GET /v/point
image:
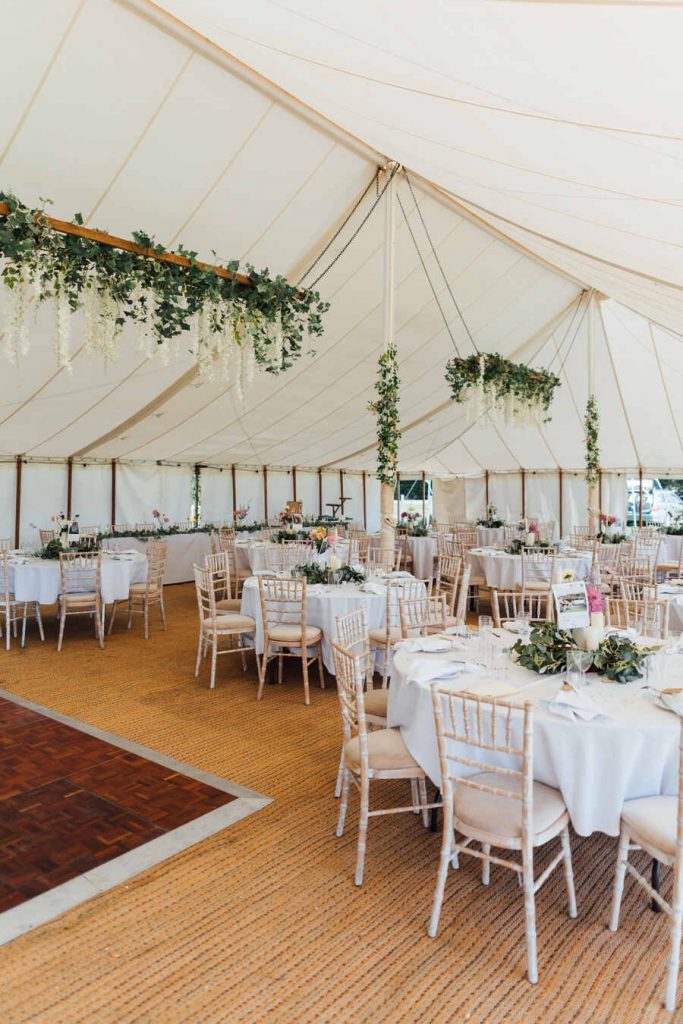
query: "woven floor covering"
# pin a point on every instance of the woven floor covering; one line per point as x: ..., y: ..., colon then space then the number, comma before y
x: 263, y: 922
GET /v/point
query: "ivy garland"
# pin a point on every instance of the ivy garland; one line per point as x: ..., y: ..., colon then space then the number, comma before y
x: 386, y: 410
x: 231, y: 325
x: 592, y: 425
x: 520, y: 393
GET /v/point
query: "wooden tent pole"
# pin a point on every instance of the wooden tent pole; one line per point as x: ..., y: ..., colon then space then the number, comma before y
x: 523, y: 494
x: 320, y: 490
x: 640, y: 499
x: 387, y: 518
x: 365, y: 501
x: 265, y: 493
x: 234, y: 492
x: 69, y: 485
x: 17, y: 503
x: 113, y: 493
x: 486, y: 486
x: 294, y: 483
x: 424, y: 496
x: 561, y: 502
x: 197, y: 475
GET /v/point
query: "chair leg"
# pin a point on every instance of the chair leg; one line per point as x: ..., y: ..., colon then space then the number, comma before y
x: 113, y: 616
x: 130, y: 612
x: 530, y: 915
x: 446, y: 853
x: 340, y: 776
x: 320, y: 665
x: 199, y: 654
x: 145, y: 609
x: 99, y: 630
x: 23, y: 624
x: 62, y: 620
x: 214, y: 657
x: 362, y: 830
x: 304, y: 666
x: 162, y: 612
x: 262, y: 670
x: 619, y: 875
x: 422, y: 789
x: 8, y: 627
x: 345, y: 786
x: 414, y: 795
x: 385, y: 668
x: 675, y: 954
x: 485, y: 864
x: 39, y: 620
x: 568, y: 872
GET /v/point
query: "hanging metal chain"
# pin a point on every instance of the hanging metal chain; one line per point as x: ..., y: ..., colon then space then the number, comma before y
x: 431, y: 283
x: 378, y: 198
x: 438, y: 263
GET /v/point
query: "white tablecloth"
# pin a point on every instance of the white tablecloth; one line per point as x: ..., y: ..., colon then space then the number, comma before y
x: 504, y: 572
x: 38, y: 579
x: 487, y: 536
x: 424, y: 551
x: 670, y: 548
x: 596, y: 765
x: 184, y: 551
x: 252, y: 554
x: 324, y: 604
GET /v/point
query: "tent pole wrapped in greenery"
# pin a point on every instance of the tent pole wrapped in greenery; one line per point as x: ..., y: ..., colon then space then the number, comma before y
x: 519, y: 393
x: 233, y: 322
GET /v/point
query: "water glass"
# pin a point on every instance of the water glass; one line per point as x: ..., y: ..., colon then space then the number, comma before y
x: 500, y: 663
x: 485, y: 625
x: 522, y: 622
x: 578, y: 663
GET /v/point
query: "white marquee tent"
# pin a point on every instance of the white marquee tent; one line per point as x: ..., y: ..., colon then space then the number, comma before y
x: 543, y: 146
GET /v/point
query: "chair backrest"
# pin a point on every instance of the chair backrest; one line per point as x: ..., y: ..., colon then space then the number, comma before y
x: 466, y: 539
x: 283, y: 602
x: 633, y: 588
x: 157, y: 557
x: 508, y: 605
x: 219, y: 564
x: 45, y: 537
x: 349, y: 670
x: 352, y: 635
x: 88, y: 531
x: 383, y: 559
x: 359, y: 545
x: 5, y: 588
x: 546, y: 530
x: 510, y: 533
x: 206, y: 583
x: 440, y: 527
x: 144, y: 527
x: 461, y: 605
x: 488, y: 728
x: 419, y: 615
x: 638, y: 567
x: 283, y: 557
x: 580, y: 531
x: 608, y: 555
x: 184, y: 525
x: 403, y: 590
x: 537, y: 567
x: 448, y: 572
x: 626, y: 613
x: 214, y: 546
x: 80, y: 572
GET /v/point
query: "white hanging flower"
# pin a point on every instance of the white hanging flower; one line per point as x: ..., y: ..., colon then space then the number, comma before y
x: 109, y: 331
x: 62, y: 328
x: 91, y: 314
x: 17, y: 302
x: 145, y: 301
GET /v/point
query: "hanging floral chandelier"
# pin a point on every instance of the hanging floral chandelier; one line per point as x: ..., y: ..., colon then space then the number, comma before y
x: 519, y: 394
x: 232, y: 322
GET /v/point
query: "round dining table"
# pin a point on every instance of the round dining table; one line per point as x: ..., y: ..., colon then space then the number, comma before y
x: 251, y: 555
x: 503, y: 571
x: 490, y: 535
x: 631, y: 750
x: 38, y: 579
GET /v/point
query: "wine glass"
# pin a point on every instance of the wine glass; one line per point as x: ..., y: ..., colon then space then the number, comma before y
x: 578, y: 663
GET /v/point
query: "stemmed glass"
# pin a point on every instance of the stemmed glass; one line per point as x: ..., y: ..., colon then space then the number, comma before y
x: 578, y: 663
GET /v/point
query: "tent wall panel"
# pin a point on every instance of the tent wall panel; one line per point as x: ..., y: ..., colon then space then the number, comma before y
x: 373, y: 489
x: 574, y: 501
x: 543, y: 497
x: 43, y: 494
x: 330, y: 489
x: 91, y: 494
x: 142, y: 489
x: 216, y: 495
x: 249, y: 488
x: 475, y: 496
x: 279, y: 490
x: 449, y: 499
x: 307, y: 491
x: 505, y: 492
x: 8, y: 480
x: 353, y: 490
x: 615, y: 495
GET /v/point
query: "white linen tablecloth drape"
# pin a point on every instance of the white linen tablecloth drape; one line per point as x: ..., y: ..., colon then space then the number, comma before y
x: 670, y: 548
x: 324, y: 604
x: 596, y: 765
x: 488, y: 535
x: 38, y: 579
x: 504, y: 572
x: 251, y: 555
x: 424, y: 551
x: 184, y: 551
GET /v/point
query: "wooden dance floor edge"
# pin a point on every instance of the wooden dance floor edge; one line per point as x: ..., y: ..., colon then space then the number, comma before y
x: 48, y: 905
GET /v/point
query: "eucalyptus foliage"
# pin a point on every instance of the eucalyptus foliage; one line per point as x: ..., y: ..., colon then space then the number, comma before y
x: 592, y: 425
x: 386, y: 410
x: 617, y: 658
x: 319, y: 573
x: 230, y: 325
x: 517, y: 391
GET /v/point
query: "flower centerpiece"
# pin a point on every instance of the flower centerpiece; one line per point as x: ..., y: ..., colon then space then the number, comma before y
x: 491, y: 521
x: 69, y: 533
x: 241, y: 513
x: 607, y: 533
x: 590, y: 637
x: 616, y: 658
x: 530, y: 530
x: 160, y: 520
x: 322, y: 538
x: 517, y: 392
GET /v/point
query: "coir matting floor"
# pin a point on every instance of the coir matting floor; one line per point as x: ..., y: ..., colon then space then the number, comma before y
x: 77, y: 805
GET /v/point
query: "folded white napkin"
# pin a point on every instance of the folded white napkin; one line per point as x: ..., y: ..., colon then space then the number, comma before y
x: 401, y: 575
x: 574, y: 705
x: 430, y: 644
x: 672, y: 701
x: 264, y: 572
x: 373, y: 588
x: 425, y: 670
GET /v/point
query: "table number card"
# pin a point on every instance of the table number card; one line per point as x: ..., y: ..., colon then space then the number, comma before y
x: 571, y: 605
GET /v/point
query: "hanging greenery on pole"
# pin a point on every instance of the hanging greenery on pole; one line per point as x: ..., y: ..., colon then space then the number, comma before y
x: 232, y: 322
x: 386, y: 410
x: 520, y: 393
x: 592, y: 426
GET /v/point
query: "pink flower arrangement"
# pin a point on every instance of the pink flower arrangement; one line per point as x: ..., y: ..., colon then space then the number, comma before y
x: 533, y: 528
x: 608, y: 520
x: 596, y: 600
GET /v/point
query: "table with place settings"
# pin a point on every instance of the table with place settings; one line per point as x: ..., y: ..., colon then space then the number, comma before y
x: 38, y: 579
x: 251, y: 554
x: 503, y: 571
x: 629, y: 750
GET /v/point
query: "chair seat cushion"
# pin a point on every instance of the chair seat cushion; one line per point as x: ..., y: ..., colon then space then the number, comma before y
x: 376, y: 703
x: 138, y: 589
x: 667, y: 567
x: 229, y: 604
x: 230, y: 622
x: 379, y: 636
x: 477, y: 581
x: 84, y: 598
x: 537, y: 586
x: 291, y: 634
x: 386, y: 751
x: 500, y: 815
x: 652, y: 819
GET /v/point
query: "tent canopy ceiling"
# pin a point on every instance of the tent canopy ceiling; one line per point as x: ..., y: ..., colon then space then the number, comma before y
x: 570, y: 183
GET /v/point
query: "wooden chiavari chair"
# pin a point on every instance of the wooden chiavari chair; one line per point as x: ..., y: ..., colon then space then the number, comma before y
x: 628, y: 613
x: 9, y: 607
x: 510, y: 533
x: 384, y: 639
x: 404, y: 559
x: 284, y: 557
x: 655, y: 824
x: 546, y: 530
x: 359, y: 545
x: 439, y: 527
x: 420, y: 616
x: 500, y: 807
x: 80, y: 590
x: 218, y: 565
x: 381, y: 559
x: 448, y: 570
x: 226, y: 543
x: 380, y: 754
x: 285, y: 628
x: 143, y: 596
x: 538, y: 570
x: 215, y: 626
x: 673, y: 569
x: 45, y: 537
